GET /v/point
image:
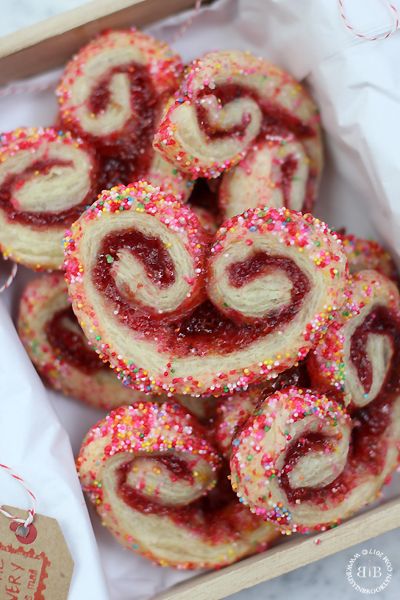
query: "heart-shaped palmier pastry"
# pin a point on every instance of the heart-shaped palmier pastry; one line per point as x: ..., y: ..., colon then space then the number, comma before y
x: 173, y: 309
x: 112, y: 94
x: 360, y: 352
x: 157, y: 483
x: 47, y: 179
x: 241, y: 116
x: 302, y: 462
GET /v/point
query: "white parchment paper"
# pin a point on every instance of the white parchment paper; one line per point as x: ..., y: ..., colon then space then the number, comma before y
x: 356, y: 84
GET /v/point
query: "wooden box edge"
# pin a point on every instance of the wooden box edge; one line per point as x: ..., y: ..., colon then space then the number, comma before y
x: 50, y: 43
x: 288, y: 556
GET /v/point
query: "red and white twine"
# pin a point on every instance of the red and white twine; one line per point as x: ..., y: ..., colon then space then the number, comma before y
x: 395, y: 16
x: 188, y: 23
x: 31, y: 511
x: 27, y: 87
x: 10, y: 278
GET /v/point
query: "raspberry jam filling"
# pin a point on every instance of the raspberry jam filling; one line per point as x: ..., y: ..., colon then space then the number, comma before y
x: 150, y: 251
x: 134, y: 141
x: 368, y: 444
x: 311, y: 442
x: 205, y: 327
x: 288, y: 169
x: 16, y: 181
x: 259, y: 264
x: 208, y: 329
x: 276, y: 121
x: 177, y: 468
x: 378, y: 321
x: 64, y: 336
x: 208, y: 517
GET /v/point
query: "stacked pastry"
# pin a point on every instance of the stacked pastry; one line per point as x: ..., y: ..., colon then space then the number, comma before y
x: 248, y: 352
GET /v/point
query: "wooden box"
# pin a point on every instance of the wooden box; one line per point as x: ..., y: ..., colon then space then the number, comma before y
x: 50, y: 44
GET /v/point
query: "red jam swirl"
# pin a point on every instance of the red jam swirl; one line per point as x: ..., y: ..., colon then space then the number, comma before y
x: 69, y: 345
x: 177, y: 467
x: 205, y: 327
x: 368, y: 444
x: 288, y: 170
x: 133, y: 143
x: 293, y: 377
x: 261, y: 264
x: 213, y: 516
x: 376, y: 322
x: 148, y: 250
x: 178, y: 470
x: 276, y: 120
x: 39, y: 219
x: 311, y: 442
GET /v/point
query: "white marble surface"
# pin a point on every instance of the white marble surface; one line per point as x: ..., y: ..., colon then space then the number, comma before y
x: 323, y: 579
